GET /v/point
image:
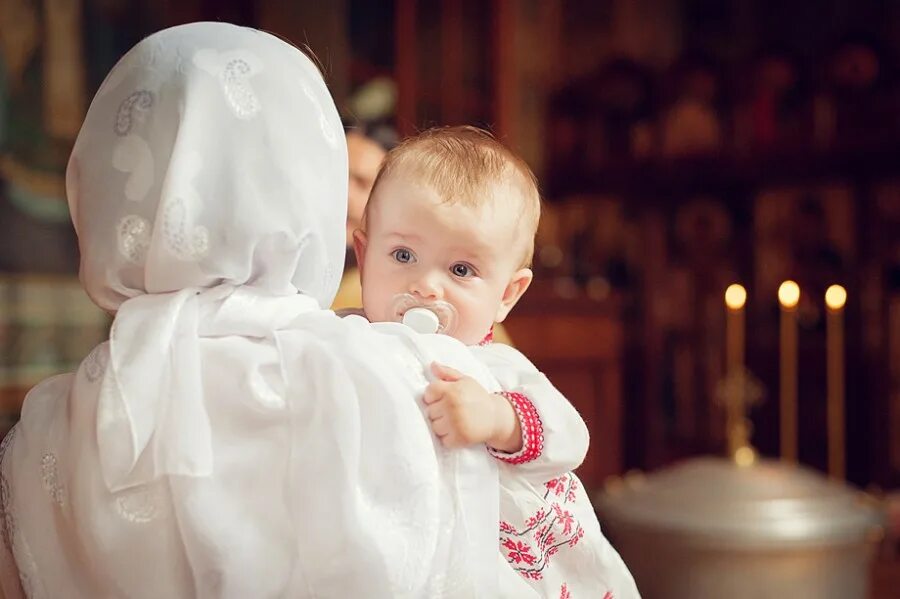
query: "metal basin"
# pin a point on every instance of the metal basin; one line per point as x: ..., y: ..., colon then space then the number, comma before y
x: 708, y: 528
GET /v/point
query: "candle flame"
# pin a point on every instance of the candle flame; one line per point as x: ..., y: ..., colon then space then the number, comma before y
x: 735, y: 296
x: 789, y: 294
x: 745, y: 456
x: 835, y: 297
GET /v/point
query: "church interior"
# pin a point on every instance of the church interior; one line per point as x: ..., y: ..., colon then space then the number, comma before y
x: 717, y: 269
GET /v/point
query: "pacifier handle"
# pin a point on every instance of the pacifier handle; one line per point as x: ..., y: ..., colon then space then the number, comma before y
x: 421, y: 320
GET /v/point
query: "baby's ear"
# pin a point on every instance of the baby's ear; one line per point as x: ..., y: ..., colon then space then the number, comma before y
x: 516, y: 287
x: 360, y: 242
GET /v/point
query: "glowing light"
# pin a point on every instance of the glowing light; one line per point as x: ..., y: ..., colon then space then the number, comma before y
x: 789, y: 294
x: 835, y: 297
x: 735, y: 297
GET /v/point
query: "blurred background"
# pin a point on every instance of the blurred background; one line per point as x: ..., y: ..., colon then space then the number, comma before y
x: 682, y: 146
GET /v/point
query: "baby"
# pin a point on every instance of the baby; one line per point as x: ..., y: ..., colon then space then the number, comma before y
x: 448, y: 237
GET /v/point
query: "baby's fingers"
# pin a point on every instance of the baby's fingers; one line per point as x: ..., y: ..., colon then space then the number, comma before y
x: 445, y: 373
x: 433, y: 392
x: 441, y: 427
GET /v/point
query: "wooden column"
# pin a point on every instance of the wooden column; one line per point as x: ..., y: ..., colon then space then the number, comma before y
x: 452, y: 77
x: 504, y: 79
x: 320, y: 27
x: 406, y: 61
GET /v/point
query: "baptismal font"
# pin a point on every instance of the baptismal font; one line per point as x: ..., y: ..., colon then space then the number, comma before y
x: 742, y: 526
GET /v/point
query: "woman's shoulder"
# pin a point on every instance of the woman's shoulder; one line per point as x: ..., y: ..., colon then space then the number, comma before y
x: 44, y: 405
x: 49, y: 389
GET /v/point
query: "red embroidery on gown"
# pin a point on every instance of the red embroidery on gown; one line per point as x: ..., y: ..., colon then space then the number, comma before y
x: 532, y: 430
x: 560, y: 486
x: 565, y: 594
x: 530, y: 549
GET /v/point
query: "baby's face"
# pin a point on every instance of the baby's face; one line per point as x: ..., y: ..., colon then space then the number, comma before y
x: 415, y: 244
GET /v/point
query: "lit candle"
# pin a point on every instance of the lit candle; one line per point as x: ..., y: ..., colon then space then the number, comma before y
x: 735, y: 298
x: 788, y: 297
x: 835, y: 298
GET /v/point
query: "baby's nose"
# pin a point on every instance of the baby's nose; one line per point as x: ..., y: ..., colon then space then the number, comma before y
x: 426, y: 288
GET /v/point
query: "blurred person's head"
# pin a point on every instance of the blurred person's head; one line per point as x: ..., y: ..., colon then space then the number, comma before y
x: 365, y: 156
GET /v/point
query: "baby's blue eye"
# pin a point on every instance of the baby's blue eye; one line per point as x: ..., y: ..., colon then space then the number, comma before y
x: 462, y: 270
x: 403, y: 255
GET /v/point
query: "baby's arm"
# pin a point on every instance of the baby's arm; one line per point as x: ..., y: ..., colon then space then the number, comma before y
x: 554, y: 436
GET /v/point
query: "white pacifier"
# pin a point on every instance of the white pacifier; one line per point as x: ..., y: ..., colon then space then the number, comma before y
x: 421, y: 320
x: 423, y: 316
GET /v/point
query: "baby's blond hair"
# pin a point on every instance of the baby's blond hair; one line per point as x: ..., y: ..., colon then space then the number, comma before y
x: 464, y: 164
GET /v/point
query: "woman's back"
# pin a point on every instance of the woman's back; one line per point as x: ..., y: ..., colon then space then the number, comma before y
x: 232, y: 439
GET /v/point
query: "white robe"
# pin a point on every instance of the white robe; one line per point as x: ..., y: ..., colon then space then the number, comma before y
x: 330, y: 487
x: 232, y: 439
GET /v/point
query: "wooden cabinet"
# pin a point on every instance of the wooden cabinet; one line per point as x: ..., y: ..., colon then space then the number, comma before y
x: 579, y: 346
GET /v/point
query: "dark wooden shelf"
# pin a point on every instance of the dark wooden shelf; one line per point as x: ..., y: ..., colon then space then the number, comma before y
x: 662, y: 180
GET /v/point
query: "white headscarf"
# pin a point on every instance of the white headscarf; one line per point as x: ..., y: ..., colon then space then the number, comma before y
x: 232, y: 439
x: 212, y: 159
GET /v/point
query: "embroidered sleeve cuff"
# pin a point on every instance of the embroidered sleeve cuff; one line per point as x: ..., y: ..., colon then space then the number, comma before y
x: 532, y: 431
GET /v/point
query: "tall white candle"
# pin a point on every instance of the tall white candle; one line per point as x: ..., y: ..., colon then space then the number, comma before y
x: 835, y: 299
x: 788, y: 297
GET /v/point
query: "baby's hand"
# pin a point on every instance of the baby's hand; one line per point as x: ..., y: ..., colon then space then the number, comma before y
x: 463, y: 413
